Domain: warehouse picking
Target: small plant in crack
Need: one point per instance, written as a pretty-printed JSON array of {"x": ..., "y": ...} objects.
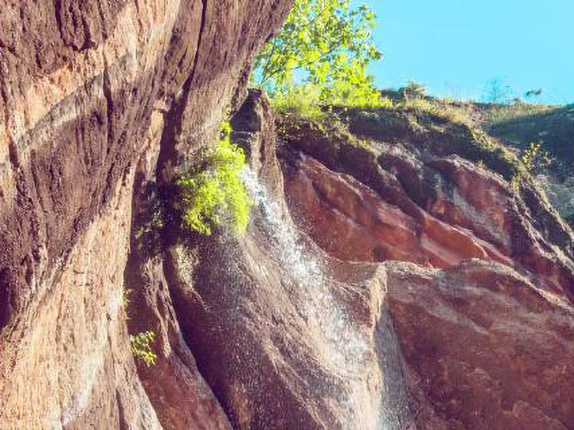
[
  {"x": 141, "y": 346},
  {"x": 126, "y": 301}
]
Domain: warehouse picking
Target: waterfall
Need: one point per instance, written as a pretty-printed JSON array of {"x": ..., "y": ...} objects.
[{"x": 344, "y": 348}]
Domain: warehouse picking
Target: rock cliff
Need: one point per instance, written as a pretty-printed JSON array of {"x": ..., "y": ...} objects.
[
  {"x": 95, "y": 96},
  {"x": 479, "y": 266},
  {"x": 554, "y": 131},
  {"x": 400, "y": 269}
]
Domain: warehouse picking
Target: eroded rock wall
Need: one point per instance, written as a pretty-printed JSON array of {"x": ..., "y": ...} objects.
[
  {"x": 412, "y": 195},
  {"x": 553, "y": 130},
  {"x": 103, "y": 102},
  {"x": 479, "y": 273},
  {"x": 485, "y": 347},
  {"x": 287, "y": 337},
  {"x": 86, "y": 90}
]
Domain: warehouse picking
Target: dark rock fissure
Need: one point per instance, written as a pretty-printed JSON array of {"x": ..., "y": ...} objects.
[{"x": 433, "y": 295}]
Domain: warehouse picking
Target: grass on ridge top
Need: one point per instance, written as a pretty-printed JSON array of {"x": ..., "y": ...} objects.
[{"x": 444, "y": 127}]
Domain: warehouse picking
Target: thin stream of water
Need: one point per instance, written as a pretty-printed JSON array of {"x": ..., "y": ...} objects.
[{"x": 344, "y": 347}]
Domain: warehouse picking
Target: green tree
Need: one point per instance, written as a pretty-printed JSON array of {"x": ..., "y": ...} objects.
[
  {"x": 413, "y": 90},
  {"x": 497, "y": 92},
  {"x": 327, "y": 44}
]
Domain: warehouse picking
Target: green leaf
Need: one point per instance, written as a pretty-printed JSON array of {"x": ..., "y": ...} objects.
[{"x": 324, "y": 43}]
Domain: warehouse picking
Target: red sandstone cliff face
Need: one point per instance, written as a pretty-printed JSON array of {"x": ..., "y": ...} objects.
[
  {"x": 399, "y": 197},
  {"x": 92, "y": 94},
  {"x": 287, "y": 337},
  {"x": 483, "y": 310},
  {"x": 423, "y": 291}
]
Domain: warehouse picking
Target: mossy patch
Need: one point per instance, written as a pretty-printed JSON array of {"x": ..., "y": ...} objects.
[{"x": 440, "y": 133}]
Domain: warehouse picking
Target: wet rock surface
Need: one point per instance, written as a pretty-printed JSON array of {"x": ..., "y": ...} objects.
[
  {"x": 285, "y": 336},
  {"x": 390, "y": 277},
  {"x": 479, "y": 275}
]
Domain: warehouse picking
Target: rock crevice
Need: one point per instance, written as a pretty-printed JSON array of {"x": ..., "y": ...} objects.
[
  {"x": 83, "y": 89},
  {"x": 391, "y": 275}
]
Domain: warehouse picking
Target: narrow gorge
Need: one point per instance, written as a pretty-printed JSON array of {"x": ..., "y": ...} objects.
[{"x": 400, "y": 269}]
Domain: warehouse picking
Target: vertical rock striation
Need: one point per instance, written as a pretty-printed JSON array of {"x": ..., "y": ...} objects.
[{"x": 86, "y": 90}]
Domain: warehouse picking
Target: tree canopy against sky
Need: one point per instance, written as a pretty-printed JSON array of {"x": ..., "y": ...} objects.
[{"x": 324, "y": 43}]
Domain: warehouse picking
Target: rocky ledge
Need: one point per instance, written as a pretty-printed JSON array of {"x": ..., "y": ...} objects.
[
  {"x": 479, "y": 265},
  {"x": 400, "y": 269}
]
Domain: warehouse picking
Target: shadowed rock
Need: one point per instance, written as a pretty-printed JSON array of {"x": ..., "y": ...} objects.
[{"x": 86, "y": 90}]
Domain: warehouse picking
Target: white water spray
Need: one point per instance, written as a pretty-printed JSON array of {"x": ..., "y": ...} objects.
[{"x": 345, "y": 349}]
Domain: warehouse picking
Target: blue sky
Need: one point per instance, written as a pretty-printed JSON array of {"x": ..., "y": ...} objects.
[{"x": 456, "y": 46}]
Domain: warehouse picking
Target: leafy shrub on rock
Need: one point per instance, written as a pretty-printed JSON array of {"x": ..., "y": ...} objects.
[{"x": 216, "y": 196}]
